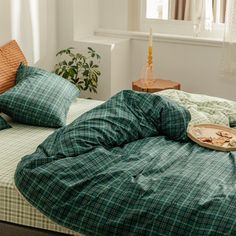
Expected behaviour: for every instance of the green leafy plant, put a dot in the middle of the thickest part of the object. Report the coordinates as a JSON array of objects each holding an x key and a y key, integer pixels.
[{"x": 83, "y": 71}]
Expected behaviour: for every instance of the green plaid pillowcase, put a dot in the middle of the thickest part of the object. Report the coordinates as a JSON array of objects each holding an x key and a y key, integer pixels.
[
  {"x": 3, "y": 124},
  {"x": 24, "y": 72},
  {"x": 39, "y": 98}
]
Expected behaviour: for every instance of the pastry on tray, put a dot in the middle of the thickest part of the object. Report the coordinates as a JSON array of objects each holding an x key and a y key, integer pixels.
[{"x": 213, "y": 136}]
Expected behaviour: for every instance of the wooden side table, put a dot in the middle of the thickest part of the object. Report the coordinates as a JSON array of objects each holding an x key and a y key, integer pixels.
[{"x": 154, "y": 85}]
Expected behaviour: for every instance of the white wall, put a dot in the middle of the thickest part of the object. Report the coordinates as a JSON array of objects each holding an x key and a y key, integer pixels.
[
  {"x": 77, "y": 31},
  {"x": 85, "y": 17},
  {"x": 196, "y": 67},
  {"x": 117, "y": 15},
  {"x": 122, "y": 14},
  {"x": 65, "y": 23},
  {"x": 33, "y": 25},
  {"x": 76, "y": 20},
  {"x": 5, "y": 21},
  {"x": 120, "y": 66}
]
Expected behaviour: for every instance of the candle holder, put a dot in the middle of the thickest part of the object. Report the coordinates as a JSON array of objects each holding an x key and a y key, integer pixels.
[{"x": 147, "y": 74}]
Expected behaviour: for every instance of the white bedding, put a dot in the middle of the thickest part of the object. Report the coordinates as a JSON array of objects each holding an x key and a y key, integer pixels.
[
  {"x": 203, "y": 108},
  {"x": 15, "y": 143}
]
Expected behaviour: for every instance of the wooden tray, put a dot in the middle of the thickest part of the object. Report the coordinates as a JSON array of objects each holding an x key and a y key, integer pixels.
[{"x": 198, "y": 133}]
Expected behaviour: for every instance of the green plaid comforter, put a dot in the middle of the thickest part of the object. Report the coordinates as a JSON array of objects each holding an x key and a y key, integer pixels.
[{"x": 126, "y": 168}]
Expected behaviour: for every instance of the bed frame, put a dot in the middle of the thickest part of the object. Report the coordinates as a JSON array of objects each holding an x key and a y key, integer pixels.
[{"x": 9, "y": 229}]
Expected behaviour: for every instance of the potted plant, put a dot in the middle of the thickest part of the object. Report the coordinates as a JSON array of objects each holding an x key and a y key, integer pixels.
[{"x": 83, "y": 71}]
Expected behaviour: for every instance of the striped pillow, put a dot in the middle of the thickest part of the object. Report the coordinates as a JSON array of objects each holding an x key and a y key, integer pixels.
[{"x": 11, "y": 57}]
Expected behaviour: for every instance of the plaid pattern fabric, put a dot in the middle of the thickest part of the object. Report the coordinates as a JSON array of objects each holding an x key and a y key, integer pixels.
[
  {"x": 39, "y": 98},
  {"x": 203, "y": 108},
  {"x": 3, "y": 124},
  {"x": 112, "y": 172},
  {"x": 15, "y": 143}
]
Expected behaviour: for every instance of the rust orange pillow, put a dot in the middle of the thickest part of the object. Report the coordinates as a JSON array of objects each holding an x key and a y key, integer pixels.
[{"x": 11, "y": 57}]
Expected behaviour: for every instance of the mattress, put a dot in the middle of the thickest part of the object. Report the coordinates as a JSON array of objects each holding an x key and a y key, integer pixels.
[{"x": 16, "y": 143}]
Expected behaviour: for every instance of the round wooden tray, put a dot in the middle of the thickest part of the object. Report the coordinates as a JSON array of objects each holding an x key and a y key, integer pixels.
[{"x": 198, "y": 132}]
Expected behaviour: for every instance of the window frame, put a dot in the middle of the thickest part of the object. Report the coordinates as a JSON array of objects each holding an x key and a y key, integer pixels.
[{"x": 177, "y": 27}]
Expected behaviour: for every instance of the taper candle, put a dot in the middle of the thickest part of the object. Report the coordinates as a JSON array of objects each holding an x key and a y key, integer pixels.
[
  {"x": 150, "y": 37},
  {"x": 149, "y": 61}
]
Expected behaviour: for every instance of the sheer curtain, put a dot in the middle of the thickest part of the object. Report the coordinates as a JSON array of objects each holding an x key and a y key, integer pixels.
[
  {"x": 203, "y": 15},
  {"x": 219, "y": 14},
  {"x": 200, "y": 11},
  {"x": 229, "y": 48}
]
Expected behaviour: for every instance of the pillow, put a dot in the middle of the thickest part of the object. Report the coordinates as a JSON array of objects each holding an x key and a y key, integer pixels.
[
  {"x": 39, "y": 98},
  {"x": 11, "y": 57},
  {"x": 3, "y": 124}
]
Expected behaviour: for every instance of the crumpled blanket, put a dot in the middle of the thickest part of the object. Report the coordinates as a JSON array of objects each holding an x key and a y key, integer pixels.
[
  {"x": 203, "y": 108},
  {"x": 126, "y": 168}
]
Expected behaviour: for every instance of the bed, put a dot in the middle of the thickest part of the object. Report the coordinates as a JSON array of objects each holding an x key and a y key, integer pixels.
[
  {"x": 127, "y": 167},
  {"x": 120, "y": 167},
  {"x": 16, "y": 143},
  {"x": 17, "y": 217}
]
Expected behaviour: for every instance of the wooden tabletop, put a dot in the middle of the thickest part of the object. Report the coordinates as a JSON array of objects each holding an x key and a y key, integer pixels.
[{"x": 154, "y": 85}]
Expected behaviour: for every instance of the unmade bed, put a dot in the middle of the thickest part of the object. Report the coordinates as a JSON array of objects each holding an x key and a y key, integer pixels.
[
  {"x": 128, "y": 168},
  {"x": 120, "y": 167},
  {"x": 132, "y": 179},
  {"x": 16, "y": 143}
]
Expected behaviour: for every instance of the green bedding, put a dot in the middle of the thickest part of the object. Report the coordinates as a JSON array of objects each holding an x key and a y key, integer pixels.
[{"x": 127, "y": 168}]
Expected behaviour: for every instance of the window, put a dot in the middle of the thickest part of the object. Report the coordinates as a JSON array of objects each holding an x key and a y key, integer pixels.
[
  {"x": 182, "y": 9},
  {"x": 182, "y": 16},
  {"x": 157, "y": 9}
]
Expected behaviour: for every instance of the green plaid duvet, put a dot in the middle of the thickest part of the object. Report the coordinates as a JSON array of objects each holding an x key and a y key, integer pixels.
[{"x": 127, "y": 168}]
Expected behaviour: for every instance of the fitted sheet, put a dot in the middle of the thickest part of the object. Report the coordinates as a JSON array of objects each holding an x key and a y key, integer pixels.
[{"x": 15, "y": 143}]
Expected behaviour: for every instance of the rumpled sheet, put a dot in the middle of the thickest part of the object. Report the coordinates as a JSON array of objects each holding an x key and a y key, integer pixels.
[{"x": 203, "y": 108}]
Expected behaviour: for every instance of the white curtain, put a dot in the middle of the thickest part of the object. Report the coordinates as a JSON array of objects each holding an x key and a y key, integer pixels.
[
  {"x": 229, "y": 48},
  {"x": 208, "y": 14},
  {"x": 202, "y": 15}
]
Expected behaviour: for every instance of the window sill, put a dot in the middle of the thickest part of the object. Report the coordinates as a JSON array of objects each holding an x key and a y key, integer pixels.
[{"x": 169, "y": 38}]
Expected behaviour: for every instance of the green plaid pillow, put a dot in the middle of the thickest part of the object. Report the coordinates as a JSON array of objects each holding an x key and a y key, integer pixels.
[
  {"x": 3, "y": 124},
  {"x": 39, "y": 98}
]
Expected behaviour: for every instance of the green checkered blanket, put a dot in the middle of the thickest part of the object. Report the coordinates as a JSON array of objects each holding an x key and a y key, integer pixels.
[{"x": 125, "y": 168}]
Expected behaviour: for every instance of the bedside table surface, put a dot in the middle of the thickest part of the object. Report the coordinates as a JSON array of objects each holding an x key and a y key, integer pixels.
[{"x": 154, "y": 85}]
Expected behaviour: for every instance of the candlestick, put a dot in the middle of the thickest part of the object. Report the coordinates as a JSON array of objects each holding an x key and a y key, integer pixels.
[{"x": 147, "y": 75}]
